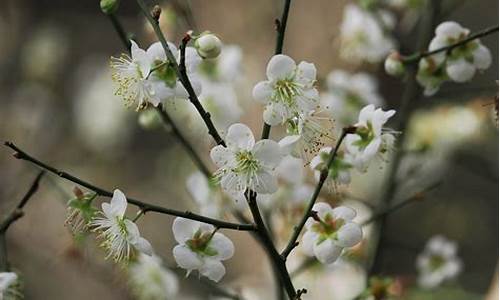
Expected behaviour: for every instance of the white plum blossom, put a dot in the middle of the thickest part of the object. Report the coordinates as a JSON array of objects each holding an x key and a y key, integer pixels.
[
  {"x": 225, "y": 68},
  {"x": 166, "y": 86},
  {"x": 120, "y": 235},
  {"x": 370, "y": 138},
  {"x": 209, "y": 197},
  {"x": 459, "y": 64},
  {"x": 9, "y": 286},
  {"x": 146, "y": 77},
  {"x": 219, "y": 98},
  {"x": 289, "y": 91},
  {"x": 348, "y": 93},
  {"x": 438, "y": 262},
  {"x": 363, "y": 35},
  {"x": 201, "y": 248},
  {"x": 150, "y": 280},
  {"x": 130, "y": 73},
  {"x": 339, "y": 170},
  {"x": 245, "y": 164},
  {"x": 330, "y": 232}
]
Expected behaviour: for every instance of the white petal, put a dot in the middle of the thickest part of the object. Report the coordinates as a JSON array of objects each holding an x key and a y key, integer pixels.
[
  {"x": 288, "y": 144},
  {"x": 186, "y": 258},
  {"x": 275, "y": 113},
  {"x": 262, "y": 92},
  {"x": 365, "y": 114},
  {"x": 326, "y": 252},
  {"x": 308, "y": 240},
  {"x": 213, "y": 269},
  {"x": 307, "y": 70},
  {"x": 156, "y": 53},
  {"x": 344, "y": 212},
  {"x": 322, "y": 208},
  {"x": 141, "y": 58},
  {"x": 460, "y": 70},
  {"x": 117, "y": 206},
  {"x": 192, "y": 59},
  {"x": 233, "y": 183},
  {"x": 133, "y": 234},
  {"x": 223, "y": 245},
  {"x": 349, "y": 235},
  {"x": 482, "y": 57},
  {"x": 265, "y": 183},
  {"x": 451, "y": 29},
  {"x": 268, "y": 152},
  {"x": 239, "y": 136},
  {"x": 280, "y": 67},
  {"x": 184, "y": 229},
  {"x": 197, "y": 185},
  {"x": 144, "y": 246},
  {"x": 221, "y": 156}
]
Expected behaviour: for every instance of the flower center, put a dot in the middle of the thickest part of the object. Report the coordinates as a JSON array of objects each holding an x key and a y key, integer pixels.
[
  {"x": 246, "y": 162},
  {"x": 436, "y": 262},
  {"x": 285, "y": 91},
  {"x": 328, "y": 227},
  {"x": 367, "y": 135},
  {"x": 165, "y": 72},
  {"x": 200, "y": 243}
]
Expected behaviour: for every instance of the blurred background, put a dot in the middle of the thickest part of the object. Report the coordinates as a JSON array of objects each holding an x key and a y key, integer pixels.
[{"x": 57, "y": 103}]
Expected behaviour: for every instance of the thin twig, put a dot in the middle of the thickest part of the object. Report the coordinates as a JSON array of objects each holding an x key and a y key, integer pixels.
[
  {"x": 183, "y": 77},
  {"x": 417, "y": 56},
  {"x": 292, "y": 243},
  {"x": 280, "y": 38},
  {"x": 146, "y": 207},
  {"x": 120, "y": 30}
]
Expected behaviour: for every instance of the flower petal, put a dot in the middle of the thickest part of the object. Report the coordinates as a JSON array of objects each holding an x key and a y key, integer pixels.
[
  {"x": 349, "y": 235},
  {"x": 213, "y": 269},
  {"x": 288, "y": 144},
  {"x": 275, "y": 113},
  {"x": 222, "y": 156},
  {"x": 322, "y": 208},
  {"x": 117, "y": 206},
  {"x": 460, "y": 70},
  {"x": 144, "y": 246},
  {"x": 141, "y": 58},
  {"x": 344, "y": 212},
  {"x": 223, "y": 245},
  {"x": 265, "y": 183},
  {"x": 307, "y": 71},
  {"x": 482, "y": 57},
  {"x": 308, "y": 240},
  {"x": 239, "y": 136},
  {"x": 280, "y": 67},
  {"x": 186, "y": 258},
  {"x": 133, "y": 234},
  {"x": 184, "y": 229},
  {"x": 262, "y": 92},
  {"x": 326, "y": 252},
  {"x": 268, "y": 153}
]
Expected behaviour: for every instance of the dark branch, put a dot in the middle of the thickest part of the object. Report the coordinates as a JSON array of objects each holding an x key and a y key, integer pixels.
[
  {"x": 120, "y": 31},
  {"x": 20, "y": 154},
  {"x": 417, "y": 56}
]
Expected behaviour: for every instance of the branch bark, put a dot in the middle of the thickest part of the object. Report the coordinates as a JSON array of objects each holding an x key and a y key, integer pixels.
[{"x": 146, "y": 207}]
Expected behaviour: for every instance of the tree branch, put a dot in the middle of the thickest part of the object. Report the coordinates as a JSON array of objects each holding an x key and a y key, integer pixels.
[
  {"x": 20, "y": 154},
  {"x": 183, "y": 78},
  {"x": 280, "y": 38},
  {"x": 415, "y": 58},
  {"x": 119, "y": 30},
  {"x": 292, "y": 243}
]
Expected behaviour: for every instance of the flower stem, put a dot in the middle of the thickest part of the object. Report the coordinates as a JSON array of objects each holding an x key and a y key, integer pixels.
[
  {"x": 280, "y": 38},
  {"x": 415, "y": 58},
  {"x": 20, "y": 154},
  {"x": 292, "y": 243},
  {"x": 182, "y": 75},
  {"x": 122, "y": 34}
]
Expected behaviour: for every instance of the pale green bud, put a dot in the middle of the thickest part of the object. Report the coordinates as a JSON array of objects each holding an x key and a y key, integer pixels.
[
  {"x": 109, "y": 6},
  {"x": 208, "y": 45}
]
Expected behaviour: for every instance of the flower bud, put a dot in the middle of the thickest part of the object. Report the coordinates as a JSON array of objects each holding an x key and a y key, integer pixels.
[
  {"x": 208, "y": 45},
  {"x": 394, "y": 65},
  {"x": 109, "y": 6}
]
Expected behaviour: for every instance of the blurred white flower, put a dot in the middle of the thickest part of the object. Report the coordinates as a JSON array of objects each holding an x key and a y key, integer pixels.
[
  {"x": 219, "y": 98},
  {"x": 150, "y": 280},
  {"x": 121, "y": 236},
  {"x": 394, "y": 65},
  {"x": 289, "y": 91},
  {"x": 363, "y": 36},
  {"x": 245, "y": 164},
  {"x": 339, "y": 170},
  {"x": 330, "y": 232},
  {"x": 201, "y": 248},
  {"x": 9, "y": 286},
  {"x": 225, "y": 68},
  {"x": 211, "y": 200},
  {"x": 370, "y": 139},
  {"x": 348, "y": 93},
  {"x": 438, "y": 262},
  {"x": 459, "y": 65}
]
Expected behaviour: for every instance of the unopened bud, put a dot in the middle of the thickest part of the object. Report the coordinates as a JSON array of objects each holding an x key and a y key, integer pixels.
[
  {"x": 208, "y": 45},
  {"x": 78, "y": 192},
  {"x": 156, "y": 12},
  {"x": 394, "y": 65},
  {"x": 109, "y": 6}
]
